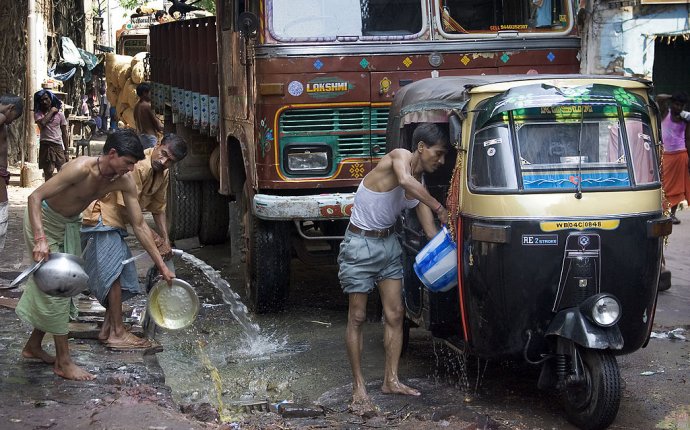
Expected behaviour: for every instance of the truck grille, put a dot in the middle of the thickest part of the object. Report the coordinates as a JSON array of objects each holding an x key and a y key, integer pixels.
[{"x": 354, "y": 132}]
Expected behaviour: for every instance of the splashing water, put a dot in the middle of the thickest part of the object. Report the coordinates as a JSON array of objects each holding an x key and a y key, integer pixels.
[
  {"x": 257, "y": 343},
  {"x": 237, "y": 308}
]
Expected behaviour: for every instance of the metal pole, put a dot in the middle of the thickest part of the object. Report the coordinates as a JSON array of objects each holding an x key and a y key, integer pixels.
[{"x": 31, "y": 82}]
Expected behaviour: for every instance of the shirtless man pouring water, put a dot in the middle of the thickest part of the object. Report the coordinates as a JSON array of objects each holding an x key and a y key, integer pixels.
[
  {"x": 51, "y": 224},
  {"x": 370, "y": 253}
]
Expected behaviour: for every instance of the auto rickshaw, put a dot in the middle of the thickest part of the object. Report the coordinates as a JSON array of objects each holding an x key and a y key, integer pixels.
[{"x": 556, "y": 209}]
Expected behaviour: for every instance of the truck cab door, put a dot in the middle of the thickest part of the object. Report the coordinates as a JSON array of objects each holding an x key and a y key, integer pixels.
[{"x": 235, "y": 80}]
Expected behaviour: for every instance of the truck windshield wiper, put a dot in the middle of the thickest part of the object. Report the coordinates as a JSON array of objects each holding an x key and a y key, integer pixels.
[{"x": 578, "y": 191}]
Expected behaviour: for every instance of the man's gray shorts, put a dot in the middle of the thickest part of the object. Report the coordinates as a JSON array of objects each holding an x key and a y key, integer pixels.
[{"x": 365, "y": 260}]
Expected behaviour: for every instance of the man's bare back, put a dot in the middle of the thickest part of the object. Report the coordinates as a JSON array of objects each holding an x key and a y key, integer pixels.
[{"x": 145, "y": 118}]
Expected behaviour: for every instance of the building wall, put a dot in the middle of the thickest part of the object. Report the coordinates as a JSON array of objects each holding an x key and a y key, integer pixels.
[
  {"x": 13, "y": 63},
  {"x": 620, "y": 39}
]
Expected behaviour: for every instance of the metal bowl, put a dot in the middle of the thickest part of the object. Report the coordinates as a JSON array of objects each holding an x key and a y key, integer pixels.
[
  {"x": 173, "y": 306},
  {"x": 62, "y": 275}
]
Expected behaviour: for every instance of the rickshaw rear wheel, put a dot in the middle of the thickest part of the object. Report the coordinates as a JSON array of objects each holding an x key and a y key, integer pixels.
[{"x": 593, "y": 402}]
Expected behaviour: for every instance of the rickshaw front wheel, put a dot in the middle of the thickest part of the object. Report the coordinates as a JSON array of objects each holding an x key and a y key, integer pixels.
[{"x": 592, "y": 402}]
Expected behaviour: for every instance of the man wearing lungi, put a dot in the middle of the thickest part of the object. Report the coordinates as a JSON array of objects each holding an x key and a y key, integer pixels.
[
  {"x": 105, "y": 226},
  {"x": 675, "y": 136},
  {"x": 52, "y": 124},
  {"x": 51, "y": 224}
]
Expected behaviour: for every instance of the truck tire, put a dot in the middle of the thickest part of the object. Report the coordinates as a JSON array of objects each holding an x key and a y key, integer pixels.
[
  {"x": 183, "y": 208},
  {"x": 267, "y": 260},
  {"x": 215, "y": 215}
]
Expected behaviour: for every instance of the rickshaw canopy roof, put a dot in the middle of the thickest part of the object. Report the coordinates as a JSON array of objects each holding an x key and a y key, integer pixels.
[{"x": 433, "y": 99}]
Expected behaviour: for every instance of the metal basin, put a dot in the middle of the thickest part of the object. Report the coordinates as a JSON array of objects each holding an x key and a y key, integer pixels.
[
  {"x": 62, "y": 275},
  {"x": 173, "y": 307}
]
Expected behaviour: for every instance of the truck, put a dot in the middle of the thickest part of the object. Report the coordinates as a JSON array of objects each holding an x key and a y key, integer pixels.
[
  {"x": 133, "y": 37},
  {"x": 285, "y": 106}
]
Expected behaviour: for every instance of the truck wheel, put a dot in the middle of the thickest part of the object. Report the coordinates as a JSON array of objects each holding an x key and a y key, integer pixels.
[
  {"x": 267, "y": 260},
  {"x": 593, "y": 403},
  {"x": 183, "y": 208},
  {"x": 215, "y": 215}
]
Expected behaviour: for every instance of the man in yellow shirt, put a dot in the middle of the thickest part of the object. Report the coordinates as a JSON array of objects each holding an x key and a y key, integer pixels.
[{"x": 104, "y": 225}]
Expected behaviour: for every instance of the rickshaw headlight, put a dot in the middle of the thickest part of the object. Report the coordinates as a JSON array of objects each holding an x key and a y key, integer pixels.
[{"x": 602, "y": 309}]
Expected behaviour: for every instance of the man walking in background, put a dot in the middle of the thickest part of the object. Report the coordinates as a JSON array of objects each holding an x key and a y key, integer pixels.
[
  {"x": 148, "y": 125},
  {"x": 52, "y": 124},
  {"x": 11, "y": 108},
  {"x": 675, "y": 136}
]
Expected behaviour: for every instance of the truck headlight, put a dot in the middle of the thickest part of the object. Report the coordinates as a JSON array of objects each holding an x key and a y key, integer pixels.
[
  {"x": 307, "y": 160},
  {"x": 602, "y": 309}
]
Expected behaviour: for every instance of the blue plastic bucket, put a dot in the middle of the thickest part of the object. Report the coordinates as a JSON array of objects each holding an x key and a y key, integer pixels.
[{"x": 436, "y": 265}]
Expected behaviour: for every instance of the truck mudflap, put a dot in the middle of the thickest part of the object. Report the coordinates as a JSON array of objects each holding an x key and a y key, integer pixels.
[{"x": 311, "y": 207}]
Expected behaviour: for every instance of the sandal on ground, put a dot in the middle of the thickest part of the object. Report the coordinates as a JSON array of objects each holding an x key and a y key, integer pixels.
[
  {"x": 129, "y": 341},
  {"x": 675, "y": 220}
]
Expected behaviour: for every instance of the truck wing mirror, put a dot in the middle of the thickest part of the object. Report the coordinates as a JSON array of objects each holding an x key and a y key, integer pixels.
[{"x": 248, "y": 24}]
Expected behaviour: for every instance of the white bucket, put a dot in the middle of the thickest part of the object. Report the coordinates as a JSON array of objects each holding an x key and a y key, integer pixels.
[{"x": 436, "y": 264}]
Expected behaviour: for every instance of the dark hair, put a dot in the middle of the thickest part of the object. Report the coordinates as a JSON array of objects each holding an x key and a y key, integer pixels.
[
  {"x": 159, "y": 14},
  {"x": 124, "y": 141},
  {"x": 431, "y": 134},
  {"x": 54, "y": 101},
  {"x": 176, "y": 145},
  {"x": 12, "y": 100},
  {"x": 680, "y": 97},
  {"x": 143, "y": 88}
]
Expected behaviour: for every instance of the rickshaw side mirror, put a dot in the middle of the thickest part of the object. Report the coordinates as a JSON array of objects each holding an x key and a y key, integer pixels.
[{"x": 455, "y": 131}]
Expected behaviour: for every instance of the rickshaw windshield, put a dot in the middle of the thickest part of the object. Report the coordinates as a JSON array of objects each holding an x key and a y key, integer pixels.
[{"x": 591, "y": 139}]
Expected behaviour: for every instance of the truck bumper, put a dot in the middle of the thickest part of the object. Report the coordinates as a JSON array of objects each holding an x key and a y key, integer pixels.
[{"x": 312, "y": 207}]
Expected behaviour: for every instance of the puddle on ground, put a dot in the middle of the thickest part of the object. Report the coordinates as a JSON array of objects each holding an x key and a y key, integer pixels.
[
  {"x": 227, "y": 358},
  {"x": 230, "y": 358}
]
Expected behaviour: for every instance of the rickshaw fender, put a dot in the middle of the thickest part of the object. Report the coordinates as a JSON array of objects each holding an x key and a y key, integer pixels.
[{"x": 571, "y": 324}]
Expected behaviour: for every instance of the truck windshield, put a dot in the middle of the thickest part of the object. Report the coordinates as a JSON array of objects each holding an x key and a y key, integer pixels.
[
  {"x": 328, "y": 20},
  {"x": 460, "y": 17},
  {"x": 555, "y": 152}
]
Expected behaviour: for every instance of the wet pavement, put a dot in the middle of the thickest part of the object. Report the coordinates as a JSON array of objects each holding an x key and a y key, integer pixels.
[{"x": 213, "y": 371}]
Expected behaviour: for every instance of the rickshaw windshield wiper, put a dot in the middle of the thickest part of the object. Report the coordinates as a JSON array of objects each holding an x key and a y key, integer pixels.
[{"x": 578, "y": 192}]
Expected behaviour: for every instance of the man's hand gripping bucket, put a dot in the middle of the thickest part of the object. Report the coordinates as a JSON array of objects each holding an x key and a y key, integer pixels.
[{"x": 436, "y": 265}]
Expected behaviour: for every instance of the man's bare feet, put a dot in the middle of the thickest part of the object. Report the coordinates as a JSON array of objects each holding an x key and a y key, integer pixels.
[
  {"x": 363, "y": 406},
  {"x": 72, "y": 371},
  {"x": 104, "y": 334},
  {"x": 127, "y": 340},
  {"x": 397, "y": 387},
  {"x": 38, "y": 354}
]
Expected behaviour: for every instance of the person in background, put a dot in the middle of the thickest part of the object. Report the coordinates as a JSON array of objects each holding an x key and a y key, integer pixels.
[
  {"x": 113, "y": 118},
  {"x": 675, "y": 138},
  {"x": 11, "y": 108},
  {"x": 105, "y": 226},
  {"x": 103, "y": 109},
  {"x": 542, "y": 13},
  {"x": 51, "y": 224},
  {"x": 148, "y": 125},
  {"x": 370, "y": 253},
  {"x": 52, "y": 124},
  {"x": 161, "y": 17}
]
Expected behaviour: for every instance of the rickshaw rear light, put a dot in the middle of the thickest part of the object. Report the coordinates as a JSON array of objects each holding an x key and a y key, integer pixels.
[{"x": 602, "y": 309}]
